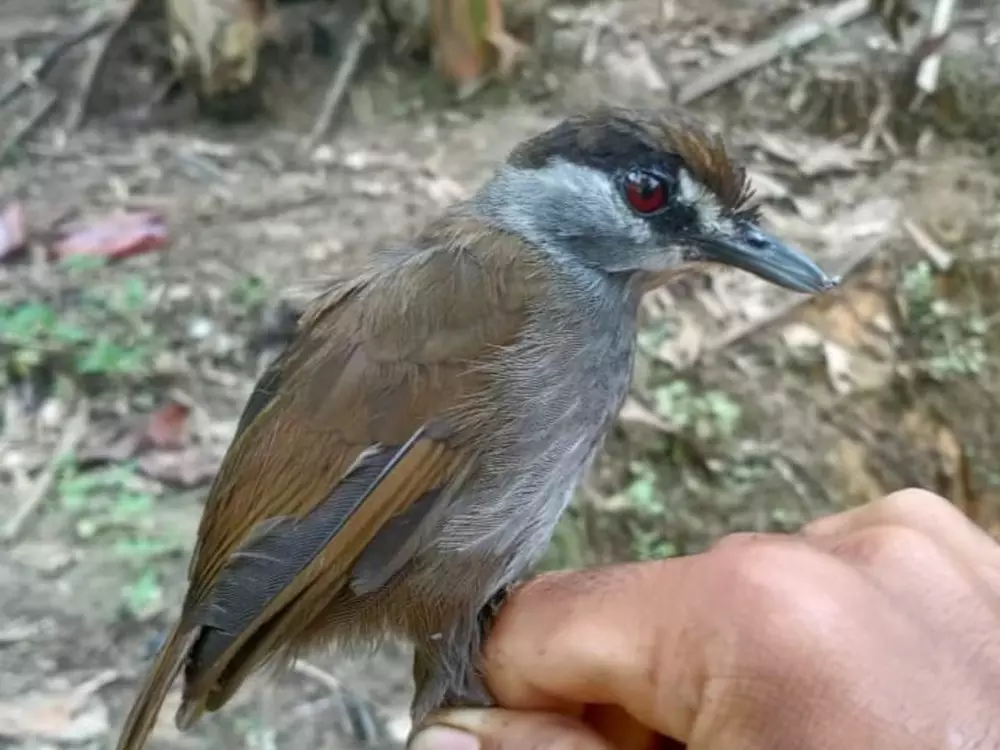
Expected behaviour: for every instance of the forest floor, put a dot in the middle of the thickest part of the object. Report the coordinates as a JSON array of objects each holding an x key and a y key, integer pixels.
[{"x": 751, "y": 409}]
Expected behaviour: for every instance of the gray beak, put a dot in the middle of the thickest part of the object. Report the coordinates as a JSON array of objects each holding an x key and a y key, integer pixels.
[{"x": 752, "y": 250}]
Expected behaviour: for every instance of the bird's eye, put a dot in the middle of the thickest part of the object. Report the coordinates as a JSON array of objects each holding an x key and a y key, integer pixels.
[{"x": 645, "y": 192}]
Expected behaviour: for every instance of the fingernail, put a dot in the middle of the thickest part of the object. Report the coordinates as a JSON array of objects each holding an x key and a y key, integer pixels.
[{"x": 444, "y": 738}]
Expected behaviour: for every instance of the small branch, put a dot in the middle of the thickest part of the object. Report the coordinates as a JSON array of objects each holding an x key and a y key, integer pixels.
[
  {"x": 937, "y": 255},
  {"x": 71, "y": 437},
  {"x": 96, "y": 63},
  {"x": 366, "y": 723},
  {"x": 345, "y": 72},
  {"x": 37, "y": 67},
  {"x": 930, "y": 66},
  {"x": 36, "y": 118},
  {"x": 805, "y": 30}
]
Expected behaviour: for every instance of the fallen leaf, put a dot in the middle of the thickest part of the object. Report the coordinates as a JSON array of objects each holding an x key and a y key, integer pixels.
[
  {"x": 73, "y": 715},
  {"x": 13, "y": 230},
  {"x": 114, "y": 237},
  {"x": 682, "y": 348},
  {"x": 109, "y": 445},
  {"x": 633, "y": 412},
  {"x": 167, "y": 426},
  {"x": 48, "y": 558},
  {"x": 941, "y": 258},
  {"x": 850, "y": 372},
  {"x": 632, "y": 67},
  {"x": 815, "y": 157},
  {"x": 766, "y": 186},
  {"x": 849, "y": 461},
  {"x": 800, "y": 337},
  {"x": 187, "y": 468}
]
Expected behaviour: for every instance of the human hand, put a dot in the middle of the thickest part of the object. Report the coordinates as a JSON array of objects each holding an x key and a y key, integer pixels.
[{"x": 875, "y": 628}]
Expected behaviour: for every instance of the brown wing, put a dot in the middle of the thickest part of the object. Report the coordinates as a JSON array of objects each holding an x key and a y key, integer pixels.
[{"x": 346, "y": 434}]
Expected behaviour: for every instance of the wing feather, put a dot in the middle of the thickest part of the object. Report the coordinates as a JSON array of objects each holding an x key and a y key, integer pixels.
[{"x": 338, "y": 450}]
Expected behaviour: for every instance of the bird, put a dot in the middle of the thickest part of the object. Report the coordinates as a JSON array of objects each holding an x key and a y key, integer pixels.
[{"x": 401, "y": 465}]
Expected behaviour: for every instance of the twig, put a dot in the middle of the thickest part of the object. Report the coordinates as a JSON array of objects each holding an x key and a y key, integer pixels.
[
  {"x": 937, "y": 255},
  {"x": 805, "y": 30},
  {"x": 38, "y": 66},
  {"x": 345, "y": 72},
  {"x": 73, "y": 433},
  {"x": 930, "y": 66},
  {"x": 740, "y": 332},
  {"x": 314, "y": 673},
  {"x": 366, "y": 723},
  {"x": 96, "y": 62},
  {"x": 19, "y": 134},
  {"x": 783, "y": 467}
]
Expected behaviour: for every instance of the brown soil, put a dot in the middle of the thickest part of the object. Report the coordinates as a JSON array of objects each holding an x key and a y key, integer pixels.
[{"x": 821, "y": 426}]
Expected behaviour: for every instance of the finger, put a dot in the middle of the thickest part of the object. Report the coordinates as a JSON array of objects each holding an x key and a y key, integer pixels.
[
  {"x": 721, "y": 642},
  {"x": 933, "y": 516},
  {"x": 500, "y": 729},
  {"x": 595, "y": 637},
  {"x": 916, "y": 572}
]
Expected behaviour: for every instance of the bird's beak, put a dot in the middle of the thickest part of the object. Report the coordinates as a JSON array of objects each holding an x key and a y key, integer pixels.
[{"x": 753, "y": 250}]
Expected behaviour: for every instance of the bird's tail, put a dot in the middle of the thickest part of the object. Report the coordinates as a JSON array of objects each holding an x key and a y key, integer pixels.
[{"x": 146, "y": 707}]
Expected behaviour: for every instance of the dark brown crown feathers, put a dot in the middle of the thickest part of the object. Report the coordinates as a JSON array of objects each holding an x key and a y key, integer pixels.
[{"x": 610, "y": 137}]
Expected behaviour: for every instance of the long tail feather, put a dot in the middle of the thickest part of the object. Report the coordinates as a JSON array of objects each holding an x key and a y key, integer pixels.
[{"x": 146, "y": 707}]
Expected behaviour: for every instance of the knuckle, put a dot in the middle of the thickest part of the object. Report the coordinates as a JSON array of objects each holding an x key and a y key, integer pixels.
[
  {"x": 887, "y": 548},
  {"x": 792, "y": 602},
  {"x": 900, "y": 506},
  {"x": 737, "y": 540}
]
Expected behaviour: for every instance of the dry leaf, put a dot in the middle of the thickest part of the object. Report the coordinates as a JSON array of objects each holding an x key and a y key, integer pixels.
[
  {"x": 799, "y": 337},
  {"x": 767, "y": 186},
  {"x": 633, "y": 67},
  {"x": 167, "y": 426},
  {"x": 941, "y": 258},
  {"x": 633, "y": 412},
  {"x": 838, "y": 367},
  {"x": 850, "y": 461},
  {"x": 114, "y": 237},
  {"x": 682, "y": 349},
  {"x": 187, "y": 468},
  {"x": 74, "y": 715},
  {"x": 13, "y": 230},
  {"x": 850, "y": 372},
  {"x": 816, "y": 157}
]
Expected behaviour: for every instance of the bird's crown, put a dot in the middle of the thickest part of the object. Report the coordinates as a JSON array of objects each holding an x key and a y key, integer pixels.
[{"x": 614, "y": 138}]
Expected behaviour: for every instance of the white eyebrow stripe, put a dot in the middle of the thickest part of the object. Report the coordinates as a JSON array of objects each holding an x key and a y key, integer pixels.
[{"x": 711, "y": 218}]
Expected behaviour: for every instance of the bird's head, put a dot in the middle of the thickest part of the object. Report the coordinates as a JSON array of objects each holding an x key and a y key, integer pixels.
[{"x": 639, "y": 192}]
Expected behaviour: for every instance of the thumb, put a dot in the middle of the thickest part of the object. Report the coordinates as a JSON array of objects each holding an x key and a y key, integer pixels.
[{"x": 501, "y": 729}]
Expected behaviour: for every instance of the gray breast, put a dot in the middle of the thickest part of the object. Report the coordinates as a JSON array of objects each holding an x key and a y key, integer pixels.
[{"x": 563, "y": 383}]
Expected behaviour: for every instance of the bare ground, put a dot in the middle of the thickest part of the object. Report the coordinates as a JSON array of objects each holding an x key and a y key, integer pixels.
[{"x": 741, "y": 417}]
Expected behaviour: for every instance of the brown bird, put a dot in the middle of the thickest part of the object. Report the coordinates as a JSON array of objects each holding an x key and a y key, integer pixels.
[{"x": 406, "y": 458}]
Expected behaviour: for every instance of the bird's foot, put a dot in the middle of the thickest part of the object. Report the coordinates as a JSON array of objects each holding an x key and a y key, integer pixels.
[{"x": 491, "y": 610}]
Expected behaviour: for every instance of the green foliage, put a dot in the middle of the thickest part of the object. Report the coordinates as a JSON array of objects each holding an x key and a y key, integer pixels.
[
  {"x": 708, "y": 415},
  {"x": 951, "y": 340},
  {"x": 115, "y": 506},
  {"x": 100, "y": 330},
  {"x": 249, "y": 293}
]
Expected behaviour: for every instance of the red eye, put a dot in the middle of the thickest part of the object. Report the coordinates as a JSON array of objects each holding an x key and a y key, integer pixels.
[{"x": 645, "y": 192}]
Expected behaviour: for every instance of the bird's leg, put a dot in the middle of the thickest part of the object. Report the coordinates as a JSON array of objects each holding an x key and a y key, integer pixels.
[{"x": 446, "y": 666}]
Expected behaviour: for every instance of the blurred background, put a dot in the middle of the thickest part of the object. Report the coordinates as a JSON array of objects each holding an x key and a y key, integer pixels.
[{"x": 171, "y": 171}]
